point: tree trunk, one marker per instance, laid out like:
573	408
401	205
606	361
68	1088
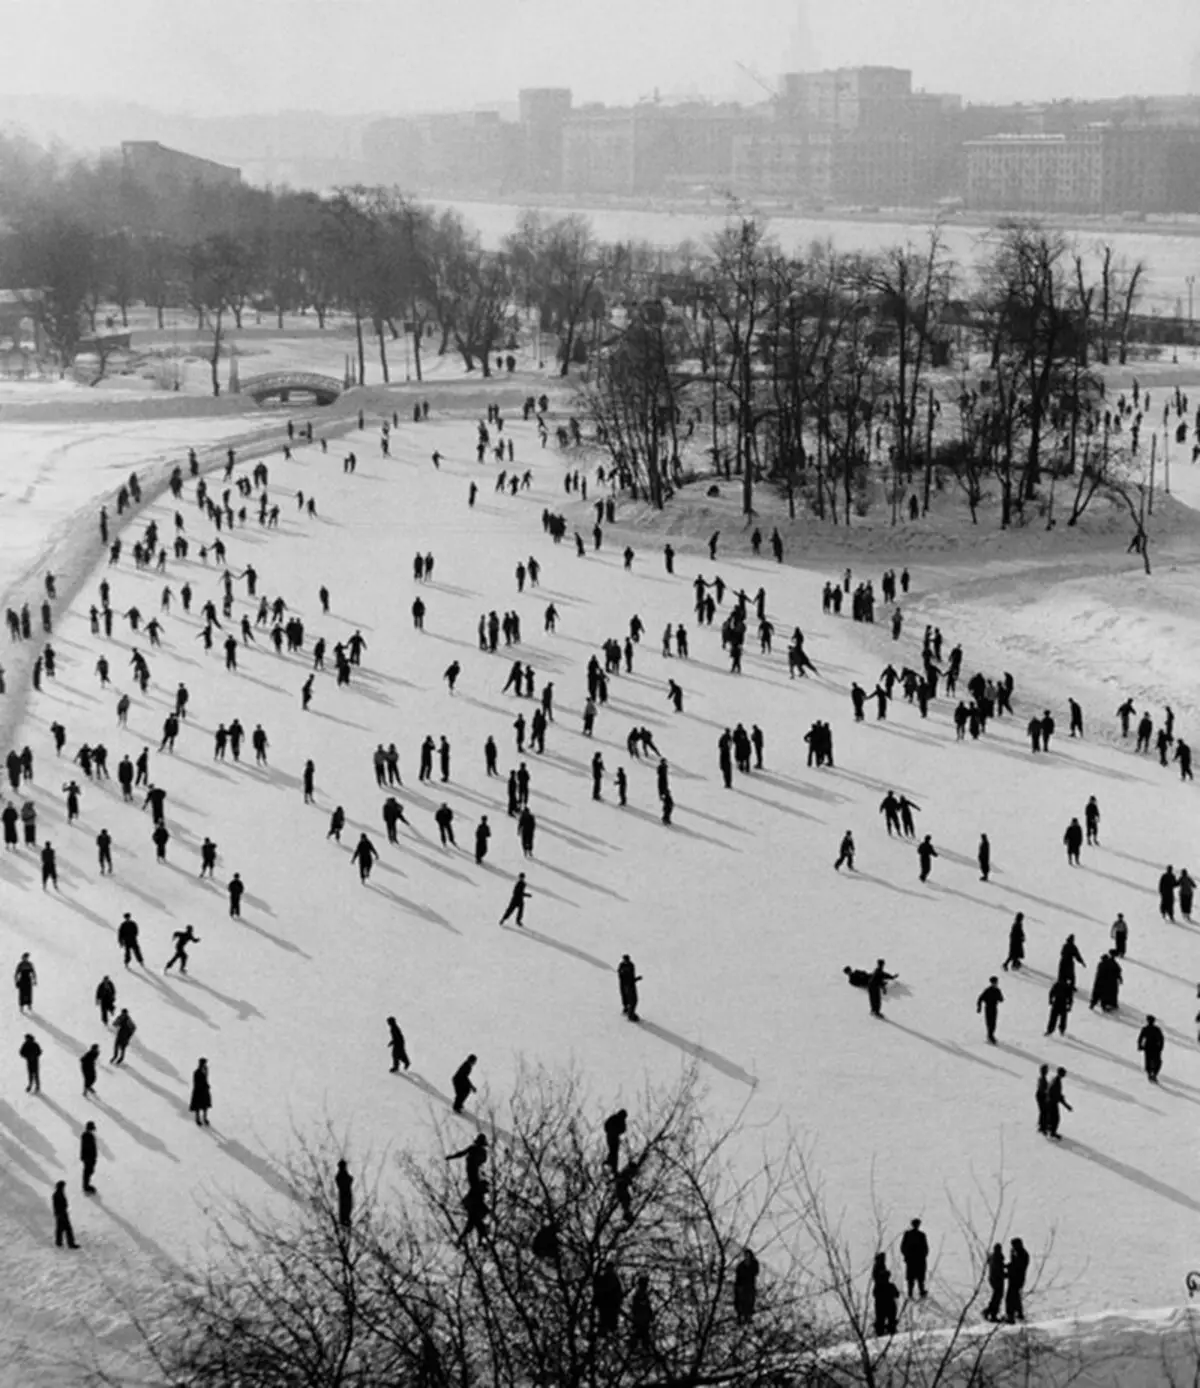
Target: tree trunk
362	356
383	361
214	360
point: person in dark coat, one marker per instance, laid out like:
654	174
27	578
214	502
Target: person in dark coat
627	982
1016	943
1068	957
24	978
365	853
1043	1089
106	998
1120	935
62	1216
397	1046
1166	894
87	1157
201	1100
995	1274
475	1158
461	1081
641	1317
745	1287
1018	1269
87	1067
988	1003
885	1295
914	1249
614	1130
1073	838
123	1030
1061	997
345	1193
877	984
926	853
31	1054
1055	1102
607	1294
985	858
1151	1042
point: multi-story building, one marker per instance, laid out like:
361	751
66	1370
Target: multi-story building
599	151
543	114
156	166
1037	173
846	98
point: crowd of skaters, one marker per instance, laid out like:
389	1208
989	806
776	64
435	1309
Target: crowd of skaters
990	697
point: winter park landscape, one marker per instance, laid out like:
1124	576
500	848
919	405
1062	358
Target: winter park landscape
273	465
734	915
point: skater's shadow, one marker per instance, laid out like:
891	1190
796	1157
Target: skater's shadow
1130	858
277	940
344	722
414	908
150	1141
1131	1173
15	1154
525	933
152	1250
189	1008
702	1054
858	876
1178	1088
775	805
952	1049
265	1170
1121	881
830	797
26	1134
1052	905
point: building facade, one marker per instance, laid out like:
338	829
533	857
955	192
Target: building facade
154	165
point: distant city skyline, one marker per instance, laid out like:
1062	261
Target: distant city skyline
351	57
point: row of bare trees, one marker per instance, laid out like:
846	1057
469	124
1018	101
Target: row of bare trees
840	374
554	1268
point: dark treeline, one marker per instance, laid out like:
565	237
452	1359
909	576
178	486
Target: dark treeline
838	376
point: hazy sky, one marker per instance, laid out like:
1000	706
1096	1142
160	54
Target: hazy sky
349	56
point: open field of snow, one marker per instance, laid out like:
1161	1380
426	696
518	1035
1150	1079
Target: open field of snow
733	915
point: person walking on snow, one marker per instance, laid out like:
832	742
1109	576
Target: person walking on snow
988	1003
516	902
365	855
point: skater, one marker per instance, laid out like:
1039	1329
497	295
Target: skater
914	1249
877	982
995	1273
1167	884
1151	1042
106	999
614	1130
123	1031
885	1296
1073	838
201	1100
31	1054
1119	935
127	940
365	855
627	980
1055	1102
87	1157
846	852
24	980
988	1003
1016	943
1062	998
516	902
475	1158
1018	1269
396	1045
985	858
745	1287
926	853
62	1216
182	939
87	1068
461	1082
344	1184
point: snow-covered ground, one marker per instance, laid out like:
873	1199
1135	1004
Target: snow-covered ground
734	915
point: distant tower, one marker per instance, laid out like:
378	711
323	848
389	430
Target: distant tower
801	53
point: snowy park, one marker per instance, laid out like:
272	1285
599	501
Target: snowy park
733	913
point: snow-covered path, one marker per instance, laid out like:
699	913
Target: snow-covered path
734	915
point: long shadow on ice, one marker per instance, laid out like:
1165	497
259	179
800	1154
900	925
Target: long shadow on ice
1076	1078
145	1139
26	1134
951	1048
525	933
245	1010
1131	1173
701	1053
